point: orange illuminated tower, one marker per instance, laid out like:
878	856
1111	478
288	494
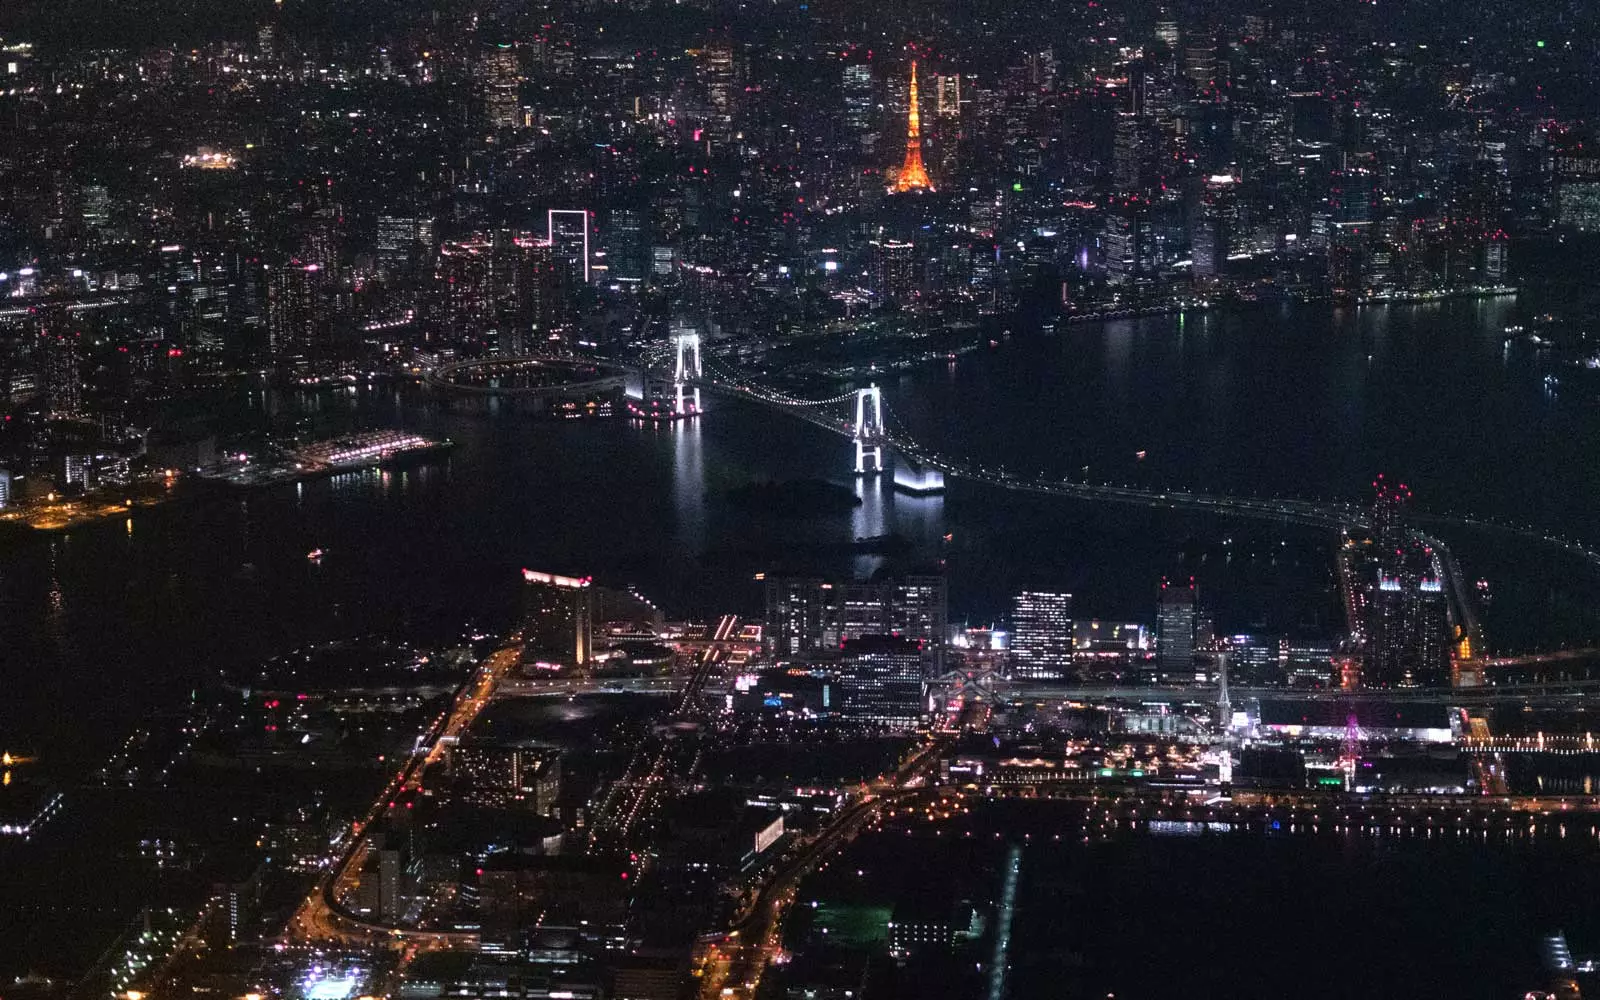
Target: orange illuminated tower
912	173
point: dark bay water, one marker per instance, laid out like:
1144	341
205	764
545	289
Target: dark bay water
105	622
1241	914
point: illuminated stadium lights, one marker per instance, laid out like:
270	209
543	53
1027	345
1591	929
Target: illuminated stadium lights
321	983
555	580
209	159
360	449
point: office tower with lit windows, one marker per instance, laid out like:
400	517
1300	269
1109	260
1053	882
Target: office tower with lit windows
404	242
860	111
557	620
295	309
894	275
806	614
506	775
63	375
1129	244
881	681
796	610
567	233
1176	620
719	73
499	79
1041	635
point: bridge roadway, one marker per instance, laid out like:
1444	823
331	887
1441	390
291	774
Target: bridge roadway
1311	513
1306	512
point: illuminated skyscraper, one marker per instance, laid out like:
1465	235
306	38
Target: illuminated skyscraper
294	309
1041	635
559	612
859	118
567	232
913	175
894	269
500	79
1175	628
1388	514
404	241
63	375
880	681
719	69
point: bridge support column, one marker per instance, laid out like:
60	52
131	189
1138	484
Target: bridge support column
688	370
869	433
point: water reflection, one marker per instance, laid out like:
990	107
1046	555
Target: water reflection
869	520
689	484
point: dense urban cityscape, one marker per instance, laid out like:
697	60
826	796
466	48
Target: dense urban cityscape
628	500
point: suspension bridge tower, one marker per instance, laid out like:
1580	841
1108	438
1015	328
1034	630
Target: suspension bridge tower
869	434
687	372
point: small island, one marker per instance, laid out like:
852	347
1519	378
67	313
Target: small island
794	497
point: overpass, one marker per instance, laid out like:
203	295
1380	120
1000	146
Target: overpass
1522	693
567	687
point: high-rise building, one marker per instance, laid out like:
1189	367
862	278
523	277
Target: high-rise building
913	175
63	375
719	72
1388	514
1216	225
1129	244
1131	145
558	619
1200	66
403	243
806	614
294	309
881	681
5	488
1175	631
567	232
1407	624
796	610
860	117
1041	635
625	245
948	89
500	80
894	270
1577	178
506	776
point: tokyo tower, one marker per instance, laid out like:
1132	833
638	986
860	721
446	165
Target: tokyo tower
912	173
